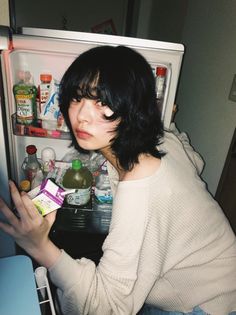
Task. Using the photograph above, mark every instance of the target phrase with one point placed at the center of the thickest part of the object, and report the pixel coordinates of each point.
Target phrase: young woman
(170, 249)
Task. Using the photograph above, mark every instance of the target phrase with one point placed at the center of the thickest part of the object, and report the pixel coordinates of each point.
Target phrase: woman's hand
(30, 230)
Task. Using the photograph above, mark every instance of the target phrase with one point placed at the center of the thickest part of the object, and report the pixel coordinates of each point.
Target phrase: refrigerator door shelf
(36, 130)
(60, 48)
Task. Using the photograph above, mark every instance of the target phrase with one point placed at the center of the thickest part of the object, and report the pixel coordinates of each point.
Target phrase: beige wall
(207, 29)
(155, 19)
(205, 111)
(4, 13)
(165, 23)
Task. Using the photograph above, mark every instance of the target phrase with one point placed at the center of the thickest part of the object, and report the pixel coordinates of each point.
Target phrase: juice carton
(47, 197)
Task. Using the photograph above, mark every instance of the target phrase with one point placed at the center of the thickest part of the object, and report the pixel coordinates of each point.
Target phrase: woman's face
(92, 131)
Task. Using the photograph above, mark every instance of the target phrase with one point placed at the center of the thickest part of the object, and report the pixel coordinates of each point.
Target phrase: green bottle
(25, 98)
(81, 179)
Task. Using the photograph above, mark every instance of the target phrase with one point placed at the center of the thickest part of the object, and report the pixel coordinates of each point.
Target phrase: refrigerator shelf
(44, 292)
(88, 220)
(36, 130)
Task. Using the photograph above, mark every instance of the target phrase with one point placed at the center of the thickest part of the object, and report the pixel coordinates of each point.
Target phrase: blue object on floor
(18, 293)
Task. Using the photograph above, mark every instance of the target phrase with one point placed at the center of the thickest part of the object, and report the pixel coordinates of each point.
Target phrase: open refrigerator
(37, 50)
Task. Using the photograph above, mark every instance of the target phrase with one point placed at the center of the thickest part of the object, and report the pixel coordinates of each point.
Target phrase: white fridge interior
(39, 50)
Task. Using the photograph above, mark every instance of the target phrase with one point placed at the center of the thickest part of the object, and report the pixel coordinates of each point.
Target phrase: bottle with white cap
(102, 192)
(48, 157)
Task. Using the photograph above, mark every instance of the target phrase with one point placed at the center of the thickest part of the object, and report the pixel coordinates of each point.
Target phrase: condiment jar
(48, 157)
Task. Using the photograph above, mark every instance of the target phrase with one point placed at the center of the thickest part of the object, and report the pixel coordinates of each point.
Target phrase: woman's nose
(84, 110)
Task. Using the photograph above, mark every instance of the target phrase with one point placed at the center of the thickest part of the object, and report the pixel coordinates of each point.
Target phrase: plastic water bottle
(80, 179)
(102, 192)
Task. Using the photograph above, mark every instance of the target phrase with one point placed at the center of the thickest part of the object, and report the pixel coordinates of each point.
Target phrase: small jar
(48, 157)
(24, 185)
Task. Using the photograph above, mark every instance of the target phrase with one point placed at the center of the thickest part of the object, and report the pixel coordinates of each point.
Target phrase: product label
(79, 197)
(50, 106)
(103, 196)
(25, 98)
(49, 197)
(45, 204)
(160, 86)
(24, 107)
(44, 92)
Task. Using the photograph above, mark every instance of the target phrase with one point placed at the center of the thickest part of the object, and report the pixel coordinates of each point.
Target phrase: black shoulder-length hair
(124, 81)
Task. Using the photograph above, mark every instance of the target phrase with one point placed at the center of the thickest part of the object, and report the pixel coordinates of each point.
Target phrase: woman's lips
(81, 134)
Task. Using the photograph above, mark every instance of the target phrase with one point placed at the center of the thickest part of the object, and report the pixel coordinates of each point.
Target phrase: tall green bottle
(80, 178)
(25, 93)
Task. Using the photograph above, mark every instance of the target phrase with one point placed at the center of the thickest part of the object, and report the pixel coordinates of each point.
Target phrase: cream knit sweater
(169, 245)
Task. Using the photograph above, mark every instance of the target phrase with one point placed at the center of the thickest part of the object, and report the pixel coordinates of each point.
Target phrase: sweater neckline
(146, 179)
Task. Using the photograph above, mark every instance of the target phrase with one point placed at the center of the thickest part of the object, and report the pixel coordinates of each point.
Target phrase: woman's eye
(100, 103)
(76, 100)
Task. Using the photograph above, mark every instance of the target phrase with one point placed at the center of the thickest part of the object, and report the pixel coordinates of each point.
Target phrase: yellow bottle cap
(24, 185)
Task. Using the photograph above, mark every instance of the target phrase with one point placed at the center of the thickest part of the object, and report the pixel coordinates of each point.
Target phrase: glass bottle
(78, 177)
(31, 164)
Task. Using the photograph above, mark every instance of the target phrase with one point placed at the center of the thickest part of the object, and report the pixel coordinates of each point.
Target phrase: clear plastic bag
(92, 160)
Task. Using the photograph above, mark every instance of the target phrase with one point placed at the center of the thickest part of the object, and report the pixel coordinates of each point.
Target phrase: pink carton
(47, 197)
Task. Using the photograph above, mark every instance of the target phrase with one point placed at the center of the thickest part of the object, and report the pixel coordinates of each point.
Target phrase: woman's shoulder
(146, 167)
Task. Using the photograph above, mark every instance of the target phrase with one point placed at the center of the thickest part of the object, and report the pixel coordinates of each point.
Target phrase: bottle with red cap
(43, 91)
(31, 164)
(160, 82)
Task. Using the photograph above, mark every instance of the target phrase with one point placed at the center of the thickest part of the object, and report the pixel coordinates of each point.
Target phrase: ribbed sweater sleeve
(107, 289)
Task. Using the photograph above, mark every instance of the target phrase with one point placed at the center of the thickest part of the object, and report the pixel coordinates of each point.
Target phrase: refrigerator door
(38, 50)
(4, 174)
(7, 245)
(4, 142)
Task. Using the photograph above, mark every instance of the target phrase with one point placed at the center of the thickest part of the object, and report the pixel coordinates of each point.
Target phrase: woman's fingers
(17, 199)
(29, 216)
(7, 228)
(23, 204)
(11, 218)
(9, 215)
(30, 207)
(51, 217)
